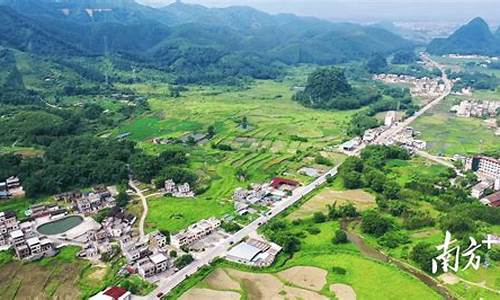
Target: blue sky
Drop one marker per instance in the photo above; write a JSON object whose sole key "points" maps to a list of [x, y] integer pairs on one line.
{"points": [[369, 10]]}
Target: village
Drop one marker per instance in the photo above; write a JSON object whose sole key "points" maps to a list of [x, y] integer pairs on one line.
{"points": [[71, 220], [426, 87], [486, 110], [406, 138]]}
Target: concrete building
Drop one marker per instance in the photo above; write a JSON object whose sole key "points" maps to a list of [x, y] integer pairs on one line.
{"points": [[485, 166], [254, 252], [351, 145], [195, 232], [158, 239], [153, 265], [390, 118], [479, 189]]}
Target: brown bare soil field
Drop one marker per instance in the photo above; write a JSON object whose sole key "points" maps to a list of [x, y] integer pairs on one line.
{"points": [[267, 286], [219, 280], [359, 198], [343, 291], [207, 294], [306, 277]]}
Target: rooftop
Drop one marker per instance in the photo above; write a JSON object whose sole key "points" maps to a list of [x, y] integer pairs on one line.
{"points": [[244, 251], [16, 234], [33, 241], [158, 258], [493, 197], [115, 292], [278, 181]]}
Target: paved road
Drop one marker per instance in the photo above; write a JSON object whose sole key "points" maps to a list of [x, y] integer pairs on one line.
{"points": [[385, 136], [144, 205], [167, 284]]}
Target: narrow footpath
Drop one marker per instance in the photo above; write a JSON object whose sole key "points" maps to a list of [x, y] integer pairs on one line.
{"points": [[144, 207]]}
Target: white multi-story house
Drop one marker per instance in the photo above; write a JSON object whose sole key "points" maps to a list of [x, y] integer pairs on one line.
{"points": [[195, 232], [485, 166]]}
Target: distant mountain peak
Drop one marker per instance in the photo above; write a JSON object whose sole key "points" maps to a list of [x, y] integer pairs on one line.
{"points": [[478, 21], [473, 38]]}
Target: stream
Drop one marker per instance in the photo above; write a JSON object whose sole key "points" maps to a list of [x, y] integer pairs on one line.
{"points": [[371, 252]]}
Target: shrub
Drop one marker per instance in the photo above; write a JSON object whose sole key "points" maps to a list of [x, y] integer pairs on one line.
{"points": [[319, 217], [340, 237], [313, 230], [339, 270]]}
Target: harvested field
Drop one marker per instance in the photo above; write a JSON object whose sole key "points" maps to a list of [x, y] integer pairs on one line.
{"points": [[39, 282], [219, 280], [306, 277], [343, 291], [267, 286], [207, 294], [359, 198]]}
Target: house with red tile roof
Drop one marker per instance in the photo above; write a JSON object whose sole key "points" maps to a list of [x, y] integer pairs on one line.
{"points": [[113, 293], [284, 184], [492, 200]]}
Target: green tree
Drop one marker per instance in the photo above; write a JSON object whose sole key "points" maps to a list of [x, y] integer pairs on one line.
{"points": [[183, 261], [422, 254], [375, 224]]}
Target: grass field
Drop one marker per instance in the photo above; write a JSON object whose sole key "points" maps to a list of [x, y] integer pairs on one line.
{"points": [[404, 171], [448, 134], [173, 214], [281, 138]]}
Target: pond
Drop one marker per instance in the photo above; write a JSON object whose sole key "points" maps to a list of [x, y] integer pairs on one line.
{"points": [[60, 226]]}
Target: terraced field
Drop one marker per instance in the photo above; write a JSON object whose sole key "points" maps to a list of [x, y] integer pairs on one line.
{"points": [[282, 137]]}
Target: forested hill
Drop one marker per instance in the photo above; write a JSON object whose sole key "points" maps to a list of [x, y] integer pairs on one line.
{"points": [[474, 38], [222, 42]]}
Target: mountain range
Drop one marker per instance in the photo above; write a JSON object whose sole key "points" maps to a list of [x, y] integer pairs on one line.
{"points": [[475, 37], [166, 36]]}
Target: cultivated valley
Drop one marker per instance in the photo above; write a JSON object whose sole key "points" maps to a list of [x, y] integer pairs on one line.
{"points": [[193, 152]]}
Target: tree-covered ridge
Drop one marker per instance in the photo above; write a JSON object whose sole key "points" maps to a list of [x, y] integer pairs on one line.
{"points": [[328, 88], [474, 38], [188, 40]]}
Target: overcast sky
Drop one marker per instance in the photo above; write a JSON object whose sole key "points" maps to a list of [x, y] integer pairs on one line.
{"points": [[369, 10]]}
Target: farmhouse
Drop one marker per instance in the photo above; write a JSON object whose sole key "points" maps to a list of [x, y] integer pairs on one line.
{"points": [[113, 293], [152, 265], [195, 232], [492, 200], [351, 145], [8, 224], [479, 189], [158, 239], [284, 184], [11, 187], [31, 248], [178, 190], [311, 172]]}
